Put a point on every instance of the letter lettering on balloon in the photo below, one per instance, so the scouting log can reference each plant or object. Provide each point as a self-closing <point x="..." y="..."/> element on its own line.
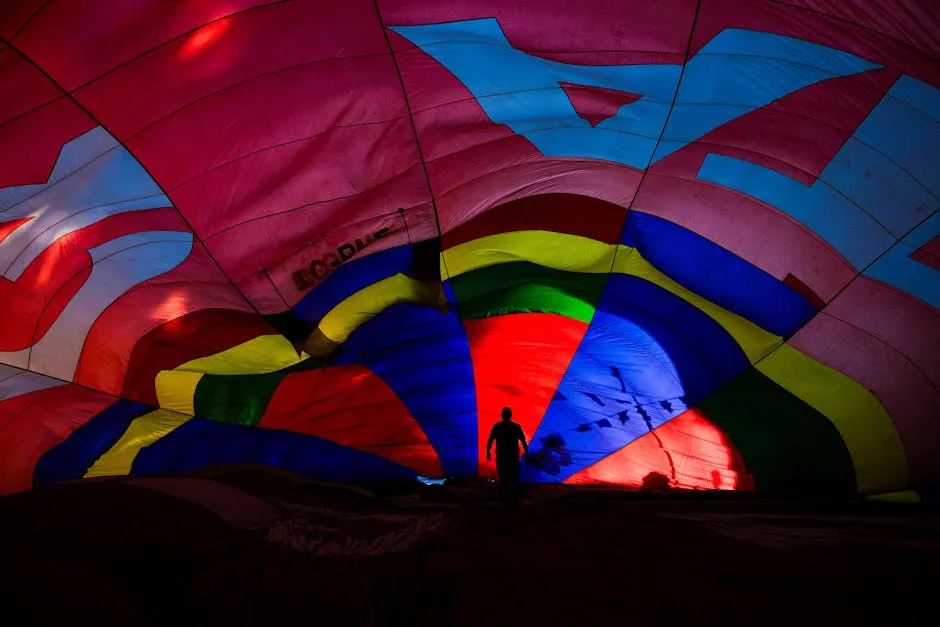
<point x="302" y="279"/>
<point x="318" y="275"/>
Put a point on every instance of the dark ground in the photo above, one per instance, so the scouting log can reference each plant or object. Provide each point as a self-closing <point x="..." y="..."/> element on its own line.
<point x="250" y="547"/>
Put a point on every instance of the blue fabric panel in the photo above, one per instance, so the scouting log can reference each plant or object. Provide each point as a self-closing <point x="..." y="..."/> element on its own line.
<point x="905" y="127"/>
<point x="449" y="294"/>
<point x="881" y="184"/>
<point x="742" y="70"/>
<point x="829" y="214"/>
<point x="887" y="166"/>
<point x="881" y="187"/>
<point x="71" y="458"/>
<point x="897" y="268"/>
<point x="200" y="443"/>
<point x="717" y="274"/>
<point x="647" y="357"/>
<point x="423" y="355"/>
<point x="351" y="277"/>
<point x="523" y="92"/>
<point x="725" y="80"/>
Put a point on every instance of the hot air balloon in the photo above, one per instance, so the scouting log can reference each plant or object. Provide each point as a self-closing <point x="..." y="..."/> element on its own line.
<point x="693" y="244"/>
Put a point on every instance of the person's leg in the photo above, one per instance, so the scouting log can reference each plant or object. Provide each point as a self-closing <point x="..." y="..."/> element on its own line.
<point x="504" y="470"/>
<point x="512" y="476"/>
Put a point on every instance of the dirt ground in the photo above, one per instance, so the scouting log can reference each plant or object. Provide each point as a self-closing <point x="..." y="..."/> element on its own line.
<point x="246" y="547"/>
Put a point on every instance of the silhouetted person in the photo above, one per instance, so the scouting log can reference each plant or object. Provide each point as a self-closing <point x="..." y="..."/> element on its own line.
<point x="507" y="435"/>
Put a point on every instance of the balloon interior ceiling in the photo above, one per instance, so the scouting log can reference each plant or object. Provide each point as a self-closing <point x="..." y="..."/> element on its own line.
<point x="693" y="242"/>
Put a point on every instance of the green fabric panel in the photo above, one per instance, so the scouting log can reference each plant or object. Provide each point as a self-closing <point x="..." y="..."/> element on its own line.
<point x="787" y="446"/>
<point x="527" y="287"/>
<point x="241" y="398"/>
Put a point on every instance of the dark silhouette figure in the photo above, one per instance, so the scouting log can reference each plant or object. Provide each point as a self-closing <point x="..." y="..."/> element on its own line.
<point x="656" y="482"/>
<point x="507" y="435"/>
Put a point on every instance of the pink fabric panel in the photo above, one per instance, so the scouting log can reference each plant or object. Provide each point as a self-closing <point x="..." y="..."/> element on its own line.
<point x="895" y="317"/>
<point x="912" y="401"/>
<point x="193" y="285"/>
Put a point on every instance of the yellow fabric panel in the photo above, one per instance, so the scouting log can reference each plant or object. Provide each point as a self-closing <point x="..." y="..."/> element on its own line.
<point x="265" y="353"/>
<point x="176" y="390"/>
<point x="753" y="340"/>
<point x="343" y="319"/>
<point x="580" y="254"/>
<point x="545" y="248"/>
<point x="871" y="437"/>
<point x="143" y="431"/>
<point x="907" y="496"/>
<point x="319" y="345"/>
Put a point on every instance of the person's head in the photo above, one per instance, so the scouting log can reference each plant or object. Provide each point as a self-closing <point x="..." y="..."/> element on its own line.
<point x="507" y="414"/>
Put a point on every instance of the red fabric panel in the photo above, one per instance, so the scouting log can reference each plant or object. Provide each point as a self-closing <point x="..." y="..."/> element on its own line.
<point x="239" y="109"/>
<point x="352" y="406"/>
<point x="518" y="361"/>
<point x="596" y="104"/>
<point x="30" y="144"/>
<point x="320" y="169"/>
<point x="292" y="217"/>
<point x="791" y="281"/>
<point x="129" y="29"/>
<point x="34" y="302"/>
<point x="912" y="401"/>
<point x="797" y="135"/>
<point x="31" y="424"/>
<point x="560" y="213"/>
<point x="564" y="32"/>
<point x="190" y="336"/>
<point x="255" y="43"/>
<point x="688" y="452"/>
<point x="8" y="227"/>
<point x="273" y="289"/>
<point x="193" y="285"/>
<point x="273" y="110"/>
<point x="512" y="176"/>
<point x="776" y="17"/>
<point x="914" y="22"/>
<point x="13" y="15"/>
<point x="23" y="86"/>
<point x="750" y="229"/>
<point x="929" y="253"/>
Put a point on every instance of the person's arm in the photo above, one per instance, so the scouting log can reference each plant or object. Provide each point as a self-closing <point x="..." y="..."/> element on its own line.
<point x="525" y="445"/>
<point x="489" y="442"/>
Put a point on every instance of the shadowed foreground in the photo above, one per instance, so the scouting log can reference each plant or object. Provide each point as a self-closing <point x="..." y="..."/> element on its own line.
<point x="256" y="547"/>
